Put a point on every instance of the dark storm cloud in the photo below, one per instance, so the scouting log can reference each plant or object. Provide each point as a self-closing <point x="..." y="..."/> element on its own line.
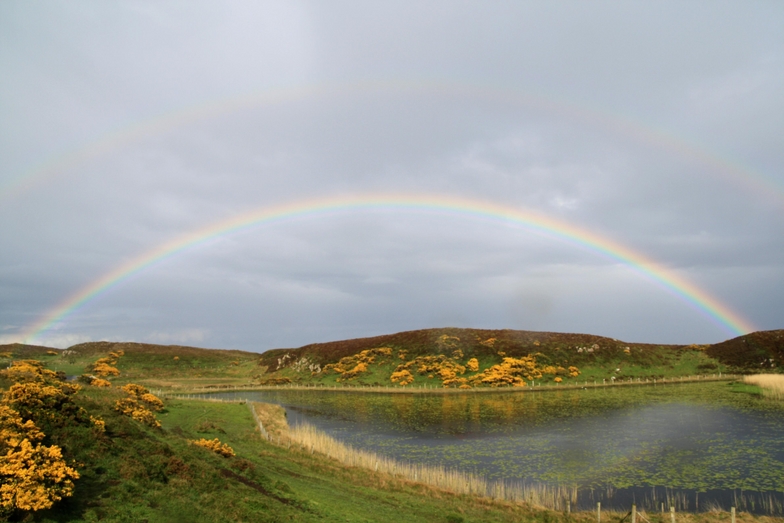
<point x="655" y="125"/>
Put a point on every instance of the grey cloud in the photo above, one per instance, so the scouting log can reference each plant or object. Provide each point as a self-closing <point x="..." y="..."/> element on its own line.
<point x="653" y="125"/>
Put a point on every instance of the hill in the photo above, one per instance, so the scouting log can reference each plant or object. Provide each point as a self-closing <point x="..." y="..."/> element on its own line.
<point x="159" y="366"/>
<point x="501" y="357"/>
<point x="761" y="351"/>
<point x="431" y="357"/>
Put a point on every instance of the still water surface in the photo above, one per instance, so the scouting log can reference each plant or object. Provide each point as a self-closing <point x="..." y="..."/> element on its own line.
<point x="690" y="438"/>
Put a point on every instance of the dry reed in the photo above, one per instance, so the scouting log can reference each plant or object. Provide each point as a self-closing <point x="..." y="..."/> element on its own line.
<point x="772" y="385"/>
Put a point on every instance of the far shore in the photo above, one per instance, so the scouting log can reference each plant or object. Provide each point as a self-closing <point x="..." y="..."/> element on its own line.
<point x="376" y="389"/>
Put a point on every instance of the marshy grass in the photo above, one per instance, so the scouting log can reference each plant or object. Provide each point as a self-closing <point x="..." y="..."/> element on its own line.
<point x="312" y="440"/>
<point x="772" y="385"/>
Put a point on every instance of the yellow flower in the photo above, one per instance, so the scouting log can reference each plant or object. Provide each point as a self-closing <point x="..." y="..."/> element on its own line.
<point x="216" y="446"/>
<point x="34" y="476"/>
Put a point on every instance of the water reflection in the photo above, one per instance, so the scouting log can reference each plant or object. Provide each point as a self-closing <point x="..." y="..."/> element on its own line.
<point x="692" y="437"/>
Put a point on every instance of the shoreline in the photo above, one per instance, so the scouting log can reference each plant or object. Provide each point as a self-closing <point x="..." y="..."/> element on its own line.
<point x="378" y="389"/>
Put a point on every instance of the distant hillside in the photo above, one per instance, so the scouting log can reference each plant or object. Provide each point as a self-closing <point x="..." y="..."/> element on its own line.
<point x="468" y="358"/>
<point x="432" y="357"/>
<point x="21" y="350"/>
<point x="473" y="343"/>
<point x="160" y="366"/>
<point x="758" y="351"/>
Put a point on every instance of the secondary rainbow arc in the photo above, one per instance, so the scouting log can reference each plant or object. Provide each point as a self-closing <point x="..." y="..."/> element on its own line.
<point x="699" y="299"/>
<point x="763" y="185"/>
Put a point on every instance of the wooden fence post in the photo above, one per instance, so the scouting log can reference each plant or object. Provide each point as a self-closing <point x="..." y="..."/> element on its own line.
<point x="599" y="512"/>
<point x="732" y="513"/>
<point x="634" y="513"/>
<point x="672" y="514"/>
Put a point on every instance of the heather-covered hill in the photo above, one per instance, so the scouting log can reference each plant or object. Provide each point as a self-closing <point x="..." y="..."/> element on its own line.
<point x="468" y="358"/>
<point x="21" y="350"/>
<point x="473" y="343"/>
<point x="761" y="351"/>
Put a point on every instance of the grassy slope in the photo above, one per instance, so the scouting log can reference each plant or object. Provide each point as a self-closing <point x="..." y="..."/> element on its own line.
<point x="153" y="365"/>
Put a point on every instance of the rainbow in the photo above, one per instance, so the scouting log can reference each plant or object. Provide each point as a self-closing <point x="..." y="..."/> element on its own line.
<point x="666" y="278"/>
<point x="765" y="187"/>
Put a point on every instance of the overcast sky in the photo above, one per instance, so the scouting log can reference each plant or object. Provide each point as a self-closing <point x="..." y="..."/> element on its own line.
<point x="126" y="125"/>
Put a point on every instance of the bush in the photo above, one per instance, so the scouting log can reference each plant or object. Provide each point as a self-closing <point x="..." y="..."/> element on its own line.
<point x="216" y="446"/>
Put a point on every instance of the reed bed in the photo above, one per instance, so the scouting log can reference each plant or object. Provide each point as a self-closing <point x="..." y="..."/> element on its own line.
<point x="772" y="385"/>
<point x="313" y="440"/>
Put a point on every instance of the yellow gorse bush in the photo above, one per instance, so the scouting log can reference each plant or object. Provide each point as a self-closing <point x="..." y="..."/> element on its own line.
<point x="39" y="393"/>
<point x="33" y="476"/>
<point x="403" y="377"/>
<point x="132" y="408"/>
<point x="104" y="370"/>
<point x="139" y="405"/>
<point x="517" y="371"/>
<point x="511" y="371"/>
<point x="24" y="371"/>
<point x="100" y="425"/>
<point x="44" y="399"/>
<point x="104" y="367"/>
<point x="350" y="367"/>
<point x="216" y="446"/>
<point x="442" y="366"/>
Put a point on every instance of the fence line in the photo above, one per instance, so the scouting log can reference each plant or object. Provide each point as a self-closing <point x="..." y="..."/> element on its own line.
<point x="252" y="407"/>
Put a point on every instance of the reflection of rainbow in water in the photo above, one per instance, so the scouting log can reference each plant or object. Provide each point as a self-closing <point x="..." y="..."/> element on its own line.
<point x="763" y="186"/>
<point x="667" y="279"/>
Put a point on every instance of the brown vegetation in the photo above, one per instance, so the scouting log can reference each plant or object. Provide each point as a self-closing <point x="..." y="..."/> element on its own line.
<point x="772" y="384"/>
<point x="757" y="351"/>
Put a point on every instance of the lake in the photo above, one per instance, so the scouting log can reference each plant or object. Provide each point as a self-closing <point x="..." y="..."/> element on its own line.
<point x="697" y="446"/>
